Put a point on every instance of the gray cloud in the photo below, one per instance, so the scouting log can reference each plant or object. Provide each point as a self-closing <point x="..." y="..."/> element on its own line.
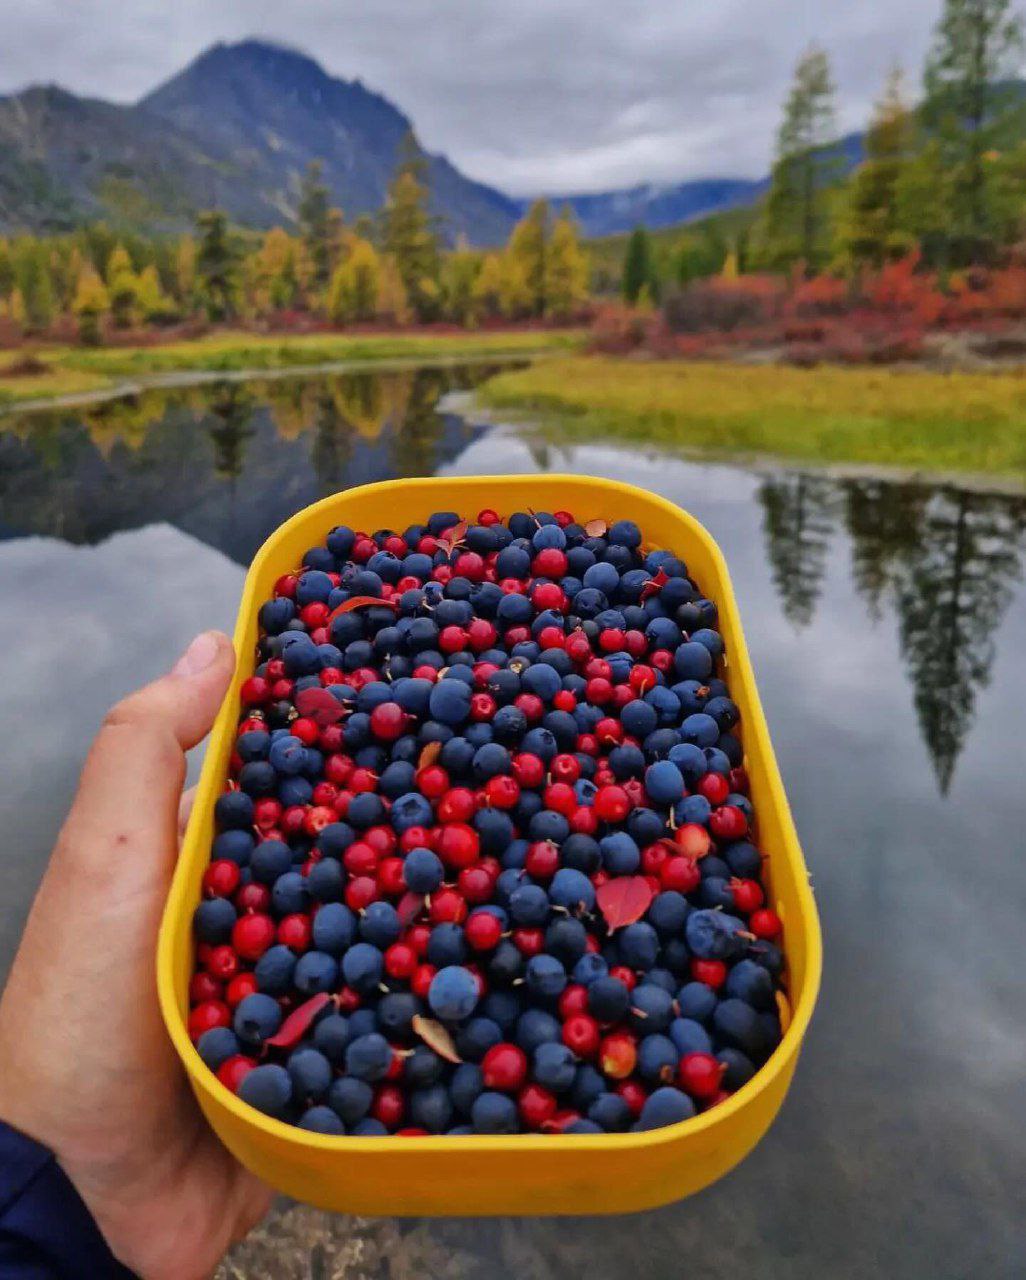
<point x="533" y="95"/>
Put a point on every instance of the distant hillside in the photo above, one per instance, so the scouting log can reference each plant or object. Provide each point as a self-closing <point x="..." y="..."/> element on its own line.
<point x="608" y="212"/>
<point x="235" y="129"/>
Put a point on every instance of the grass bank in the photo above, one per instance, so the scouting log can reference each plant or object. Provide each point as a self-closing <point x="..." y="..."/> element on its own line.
<point x="957" y="422"/>
<point x="68" y="370"/>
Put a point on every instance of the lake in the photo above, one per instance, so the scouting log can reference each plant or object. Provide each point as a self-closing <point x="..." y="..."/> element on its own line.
<point x="887" y="625"/>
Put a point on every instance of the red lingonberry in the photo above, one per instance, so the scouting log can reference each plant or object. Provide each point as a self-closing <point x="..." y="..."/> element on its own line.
<point x="475" y="884"/>
<point x="204" y="986"/>
<point x="564" y="701"/>
<point x="536" y="1105"/>
<point x="573" y="1000"/>
<point x="627" y="976"/>
<point x="389" y="1105"/>
<point x="504" y="1067"/>
<point x="765" y="923"/>
<point x="294" y="931"/>
<point x="483" y="931"/>
<point x="458" y="805"/>
<point x="360" y="892"/>
<point x="502" y="791"/>
<point x="400" y="960"/>
<point x="681" y="874"/>
<point x="747" y="894"/>
<point x="482" y="707"/>
<point x="390" y="877"/>
<point x="206" y="1016"/>
<point x="254" y="691"/>
<point x="633" y="1093"/>
<point x="241" y="986"/>
<point x="481" y="634"/>
<point x="452" y="639"/>
<point x="529" y="942"/>
<point x="728" y="823"/>
<point x="458" y="845"/>
<point x="583" y="821"/>
<point x="699" y="1074"/>
<point x="421" y="980"/>
<point x="561" y="797"/>
<point x="252" y="935"/>
<point x="221" y="878"/>
<point x="581" y="1035"/>
<point x="611" y="803"/>
<point x="712" y="972"/>
<point x="714" y="787"/>
<point x="542" y="860"/>
<point x="550" y="562"/>
<point x="488" y="517"/>
<point x="447" y="907"/>
<point x="388" y="721"/>
<point x="618" y="1054"/>
<point x="234" y="1070"/>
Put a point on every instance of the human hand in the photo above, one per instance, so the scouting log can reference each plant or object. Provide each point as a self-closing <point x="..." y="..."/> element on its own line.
<point x="86" y="1066"/>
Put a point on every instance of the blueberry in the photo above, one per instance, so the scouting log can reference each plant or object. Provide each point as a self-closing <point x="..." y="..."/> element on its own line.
<point x="573" y="890"/>
<point x="503" y="1007"/>
<point x="529" y="905"/>
<point x="668" y="912"/>
<point x="310" y="1071"/>
<point x="423" y="1067"/>
<point x="466" y="1086"/>
<point x="610" y="1112"/>
<point x="567" y="939"/>
<point x="581" y="853"/>
<point x="431" y="1108"/>
<point x="545" y="977"/>
<point x="494" y="1113"/>
<point x="737" y="1024"/>
<point x="553" y="1066"/>
<point x="657" y="1058"/>
<point x="362" y="1022"/>
<point x="449" y="702"/>
<point x="290" y="894"/>
<point x="422" y="871"/>
<point x="334" y="927"/>
<point x="700" y="729"/>
<point x="743" y="860"/>
<point x="257" y="1018"/>
<point x="362" y="967"/>
<point x="217" y="1045"/>
<point x="583" y="1125"/>
<point x="368" y="1057"/>
<point x="315" y="972"/>
<point x="664" y="783"/>
<point x="452" y="994"/>
<point x="476" y="1037"/>
<point x="692" y="661"/>
<point x="267" y="1087"/>
<point x="697" y="1001"/>
<point x="380" y="925"/>
<point x="625" y="533"/>
<point x="536" y="1027"/>
<point x="651" y="1008"/>
<point x="589" y="969"/>
<point x="395" y="1014"/>
<point x="409" y="810"/>
<point x="713" y="935"/>
<point x="690" y="1036"/>
<point x="212" y="921"/>
<point x="274" y="970"/>
<point x="234" y="846"/>
<point x="321" y="1120"/>
<point x="750" y="982"/>
<point x="665" y="1106"/>
<point x="620" y="854"/>
<point x="270" y="859"/>
<point x="639" y="945"/>
<point x="608" y="999"/>
<point x="233" y="810"/>
<point x="740" y="1068"/>
<point x="369" y="1128"/>
<point x="330" y="1036"/>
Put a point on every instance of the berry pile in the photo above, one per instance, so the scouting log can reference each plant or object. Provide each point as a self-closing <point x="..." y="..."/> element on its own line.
<point x="483" y="864"/>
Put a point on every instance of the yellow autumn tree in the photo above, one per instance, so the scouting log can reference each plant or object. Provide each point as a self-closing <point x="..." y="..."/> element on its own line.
<point x="459" y="276"/>
<point x="566" y="270"/>
<point x="90" y="305"/>
<point x="487" y="291"/>
<point x="276" y="270"/>
<point x="528" y="245"/>
<point x="516" y="298"/>
<point x="16" y="309"/>
<point x="356" y="285"/>
<point x="122" y="287"/>
<point x="151" y="299"/>
<point x="393" y="302"/>
<point x="185" y="272"/>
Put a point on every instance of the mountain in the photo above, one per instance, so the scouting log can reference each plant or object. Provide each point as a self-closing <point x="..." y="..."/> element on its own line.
<point x="235" y="129"/>
<point x="604" y="213"/>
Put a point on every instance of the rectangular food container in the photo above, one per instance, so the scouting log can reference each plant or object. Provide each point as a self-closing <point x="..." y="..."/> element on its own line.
<point x="522" y="1174"/>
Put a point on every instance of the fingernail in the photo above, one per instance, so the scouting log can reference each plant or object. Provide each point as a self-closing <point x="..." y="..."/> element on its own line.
<point x="199" y="655"/>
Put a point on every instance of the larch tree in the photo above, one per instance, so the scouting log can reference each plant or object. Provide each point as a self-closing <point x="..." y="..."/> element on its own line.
<point x="970" y="105"/>
<point x="528" y="247"/>
<point x="638" y="268"/>
<point x="795" y="221"/>
<point x="409" y="234"/>
<point x="566" y="270"/>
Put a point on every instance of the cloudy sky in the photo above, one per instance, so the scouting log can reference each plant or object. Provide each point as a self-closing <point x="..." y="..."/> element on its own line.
<point x="530" y="95"/>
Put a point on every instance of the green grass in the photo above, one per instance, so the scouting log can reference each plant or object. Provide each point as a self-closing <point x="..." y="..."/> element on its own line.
<point x="73" y="370"/>
<point x="959" y="422"/>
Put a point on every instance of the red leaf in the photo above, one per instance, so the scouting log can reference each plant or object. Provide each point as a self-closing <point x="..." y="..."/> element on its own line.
<point x="360" y="602"/>
<point x="654" y="585"/>
<point x="624" y="900"/>
<point x="319" y="706"/>
<point x="409" y="908"/>
<point x="436" y="1037"/>
<point x="596" y="528"/>
<point x="299" y="1022"/>
<point x="452" y="536"/>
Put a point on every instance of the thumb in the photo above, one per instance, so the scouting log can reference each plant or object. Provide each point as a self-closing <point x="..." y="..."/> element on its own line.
<point x="132" y="779"/>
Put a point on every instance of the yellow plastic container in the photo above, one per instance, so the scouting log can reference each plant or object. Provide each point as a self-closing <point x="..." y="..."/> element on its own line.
<point x="582" y="1174"/>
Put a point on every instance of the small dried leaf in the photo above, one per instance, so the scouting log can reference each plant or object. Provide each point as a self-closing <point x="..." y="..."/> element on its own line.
<point x="360" y="602"/>
<point x="451" y="537"/>
<point x="624" y="900"/>
<point x="409" y="908"/>
<point x="319" y="706"/>
<point x="299" y="1022"/>
<point x="654" y="585"/>
<point x="596" y="528"/>
<point x="436" y="1037"/>
<point x="783" y="1011"/>
<point x="429" y="755"/>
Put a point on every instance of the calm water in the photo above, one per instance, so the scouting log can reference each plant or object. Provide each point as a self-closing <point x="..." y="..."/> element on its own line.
<point x="887" y="623"/>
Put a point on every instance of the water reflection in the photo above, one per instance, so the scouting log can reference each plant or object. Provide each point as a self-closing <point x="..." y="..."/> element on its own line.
<point x="944" y="559"/>
<point x="226" y="462"/>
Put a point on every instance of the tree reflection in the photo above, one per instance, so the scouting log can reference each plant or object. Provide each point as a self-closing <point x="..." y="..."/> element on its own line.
<point x="230" y="407"/>
<point x="797" y="522"/>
